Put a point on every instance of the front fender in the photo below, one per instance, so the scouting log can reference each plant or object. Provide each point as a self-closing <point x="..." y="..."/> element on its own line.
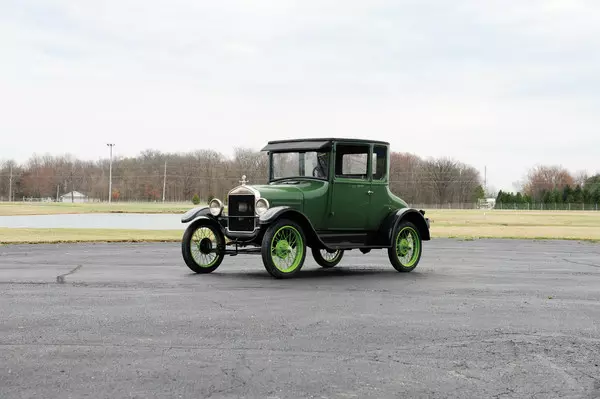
<point x="417" y="217"/>
<point x="194" y="213"/>
<point x="272" y="213"/>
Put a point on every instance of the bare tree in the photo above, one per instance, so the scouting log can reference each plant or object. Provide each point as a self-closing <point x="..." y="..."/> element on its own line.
<point x="442" y="173"/>
<point x="542" y="179"/>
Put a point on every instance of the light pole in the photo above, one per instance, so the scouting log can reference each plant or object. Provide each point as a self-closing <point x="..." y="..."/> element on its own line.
<point x="164" y="182"/>
<point x="110" y="174"/>
<point x="10" y="184"/>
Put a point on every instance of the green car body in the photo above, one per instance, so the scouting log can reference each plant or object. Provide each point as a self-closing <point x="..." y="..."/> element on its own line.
<point x="329" y="195"/>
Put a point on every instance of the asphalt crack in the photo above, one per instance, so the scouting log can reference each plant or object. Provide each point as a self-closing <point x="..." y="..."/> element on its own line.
<point x="581" y="263"/>
<point x="61" y="278"/>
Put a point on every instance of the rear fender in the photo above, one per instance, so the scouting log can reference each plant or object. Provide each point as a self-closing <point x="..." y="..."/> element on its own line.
<point x="278" y="212"/>
<point x="416" y="217"/>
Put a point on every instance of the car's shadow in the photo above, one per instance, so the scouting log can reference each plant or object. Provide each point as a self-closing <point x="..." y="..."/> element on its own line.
<point x="315" y="273"/>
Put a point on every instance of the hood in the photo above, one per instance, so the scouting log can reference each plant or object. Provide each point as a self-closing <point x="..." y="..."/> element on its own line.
<point x="281" y="194"/>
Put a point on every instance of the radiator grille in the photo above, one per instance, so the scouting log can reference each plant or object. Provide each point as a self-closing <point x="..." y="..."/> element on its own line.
<point x="241" y="212"/>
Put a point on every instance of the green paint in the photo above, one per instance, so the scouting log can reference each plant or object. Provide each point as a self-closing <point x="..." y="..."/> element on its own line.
<point x="355" y="195"/>
<point x="307" y="196"/>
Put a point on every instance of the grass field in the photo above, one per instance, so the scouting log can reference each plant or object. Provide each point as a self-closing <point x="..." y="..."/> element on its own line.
<point x="464" y="224"/>
<point x="573" y="225"/>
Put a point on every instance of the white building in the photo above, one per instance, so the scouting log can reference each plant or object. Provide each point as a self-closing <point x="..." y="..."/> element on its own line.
<point x="75" y="196"/>
<point x="487" y="203"/>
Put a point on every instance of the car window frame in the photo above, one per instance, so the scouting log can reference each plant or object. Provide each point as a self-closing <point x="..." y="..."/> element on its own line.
<point x="334" y="163"/>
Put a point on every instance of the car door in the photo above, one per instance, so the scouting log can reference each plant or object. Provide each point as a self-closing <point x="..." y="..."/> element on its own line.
<point x="379" y="206"/>
<point x="350" y="189"/>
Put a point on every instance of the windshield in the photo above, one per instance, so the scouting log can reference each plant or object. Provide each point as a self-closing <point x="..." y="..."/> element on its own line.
<point x="300" y="164"/>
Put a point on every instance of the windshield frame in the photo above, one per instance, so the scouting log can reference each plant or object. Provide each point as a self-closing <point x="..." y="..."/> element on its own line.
<point x="301" y="159"/>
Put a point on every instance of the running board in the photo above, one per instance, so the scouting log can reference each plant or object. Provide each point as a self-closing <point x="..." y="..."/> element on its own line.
<point x="348" y="241"/>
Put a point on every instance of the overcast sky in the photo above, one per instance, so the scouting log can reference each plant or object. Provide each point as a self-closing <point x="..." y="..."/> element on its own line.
<point x="486" y="82"/>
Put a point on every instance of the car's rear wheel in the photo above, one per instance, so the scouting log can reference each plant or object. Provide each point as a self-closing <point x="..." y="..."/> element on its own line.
<point x="327" y="258"/>
<point x="405" y="252"/>
<point x="283" y="249"/>
<point x="203" y="246"/>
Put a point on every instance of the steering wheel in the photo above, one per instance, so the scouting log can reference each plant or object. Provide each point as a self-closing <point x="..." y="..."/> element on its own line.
<point x="316" y="172"/>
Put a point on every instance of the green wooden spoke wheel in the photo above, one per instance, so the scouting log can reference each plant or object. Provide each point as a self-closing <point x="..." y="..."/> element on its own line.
<point x="283" y="249"/>
<point x="405" y="252"/>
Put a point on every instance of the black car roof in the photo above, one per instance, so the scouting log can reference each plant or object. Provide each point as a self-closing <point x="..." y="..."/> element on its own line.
<point x="313" y="143"/>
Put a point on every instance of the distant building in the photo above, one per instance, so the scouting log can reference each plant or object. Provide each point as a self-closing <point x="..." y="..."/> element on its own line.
<point x="487" y="203"/>
<point x="75" y="196"/>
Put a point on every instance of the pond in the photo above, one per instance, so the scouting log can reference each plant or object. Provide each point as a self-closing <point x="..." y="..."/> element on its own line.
<point x="96" y="221"/>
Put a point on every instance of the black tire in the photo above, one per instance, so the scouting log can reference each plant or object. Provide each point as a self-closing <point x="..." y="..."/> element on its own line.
<point x="400" y="244"/>
<point x="275" y="245"/>
<point x="327" y="263"/>
<point x="194" y="251"/>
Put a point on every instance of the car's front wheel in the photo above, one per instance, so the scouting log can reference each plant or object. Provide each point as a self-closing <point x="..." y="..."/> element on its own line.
<point x="405" y="252"/>
<point x="327" y="258"/>
<point x="283" y="249"/>
<point x="203" y="246"/>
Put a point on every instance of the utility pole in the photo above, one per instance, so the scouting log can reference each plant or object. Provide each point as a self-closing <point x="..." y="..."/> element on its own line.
<point x="72" y="187"/>
<point x="110" y="174"/>
<point x="165" y="182"/>
<point x="485" y="179"/>
<point x="10" y="185"/>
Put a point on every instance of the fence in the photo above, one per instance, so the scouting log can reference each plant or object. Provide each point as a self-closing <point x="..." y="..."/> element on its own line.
<point x="540" y="206"/>
<point x="448" y="206"/>
<point x="512" y="206"/>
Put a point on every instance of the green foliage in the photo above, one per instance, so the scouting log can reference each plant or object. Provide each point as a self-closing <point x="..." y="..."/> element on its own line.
<point x="556" y="197"/>
<point x="479" y="193"/>
<point x="595" y="195"/>
<point x="578" y="194"/>
<point x="588" y="194"/>
<point x="593" y="180"/>
<point x="592" y="185"/>
<point x="196" y="199"/>
<point x="567" y="194"/>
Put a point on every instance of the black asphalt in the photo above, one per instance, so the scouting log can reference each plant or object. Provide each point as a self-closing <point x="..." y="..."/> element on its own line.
<point x="476" y="319"/>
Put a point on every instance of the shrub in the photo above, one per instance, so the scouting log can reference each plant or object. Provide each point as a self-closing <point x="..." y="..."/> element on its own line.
<point x="195" y="199"/>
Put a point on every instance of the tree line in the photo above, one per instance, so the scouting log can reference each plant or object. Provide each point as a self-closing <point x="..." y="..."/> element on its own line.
<point x="553" y="185"/>
<point x="205" y="174"/>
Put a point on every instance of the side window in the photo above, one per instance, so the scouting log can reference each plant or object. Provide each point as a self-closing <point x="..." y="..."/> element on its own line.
<point x="351" y="161"/>
<point x="379" y="162"/>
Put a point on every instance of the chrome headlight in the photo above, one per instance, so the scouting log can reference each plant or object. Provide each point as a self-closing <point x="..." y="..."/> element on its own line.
<point x="215" y="206"/>
<point x="262" y="205"/>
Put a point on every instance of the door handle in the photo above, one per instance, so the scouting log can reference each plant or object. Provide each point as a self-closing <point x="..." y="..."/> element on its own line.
<point x="369" y="192"/>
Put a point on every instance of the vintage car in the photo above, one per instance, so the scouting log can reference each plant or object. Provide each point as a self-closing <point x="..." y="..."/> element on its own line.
<point x="329" y="195"/>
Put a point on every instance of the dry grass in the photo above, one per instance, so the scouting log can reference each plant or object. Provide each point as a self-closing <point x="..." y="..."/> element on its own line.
<point x="56" y="208"/>
<point x="515" y="224"/>
<point x="39" y="236"/>
<point x="467" y="224"/>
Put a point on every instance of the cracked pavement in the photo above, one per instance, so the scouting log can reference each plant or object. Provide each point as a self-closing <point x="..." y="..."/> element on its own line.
<point x="476" y="319"/>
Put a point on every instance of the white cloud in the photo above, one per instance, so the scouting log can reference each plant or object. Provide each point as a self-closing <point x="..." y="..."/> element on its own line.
<point x="485" y="82"/>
